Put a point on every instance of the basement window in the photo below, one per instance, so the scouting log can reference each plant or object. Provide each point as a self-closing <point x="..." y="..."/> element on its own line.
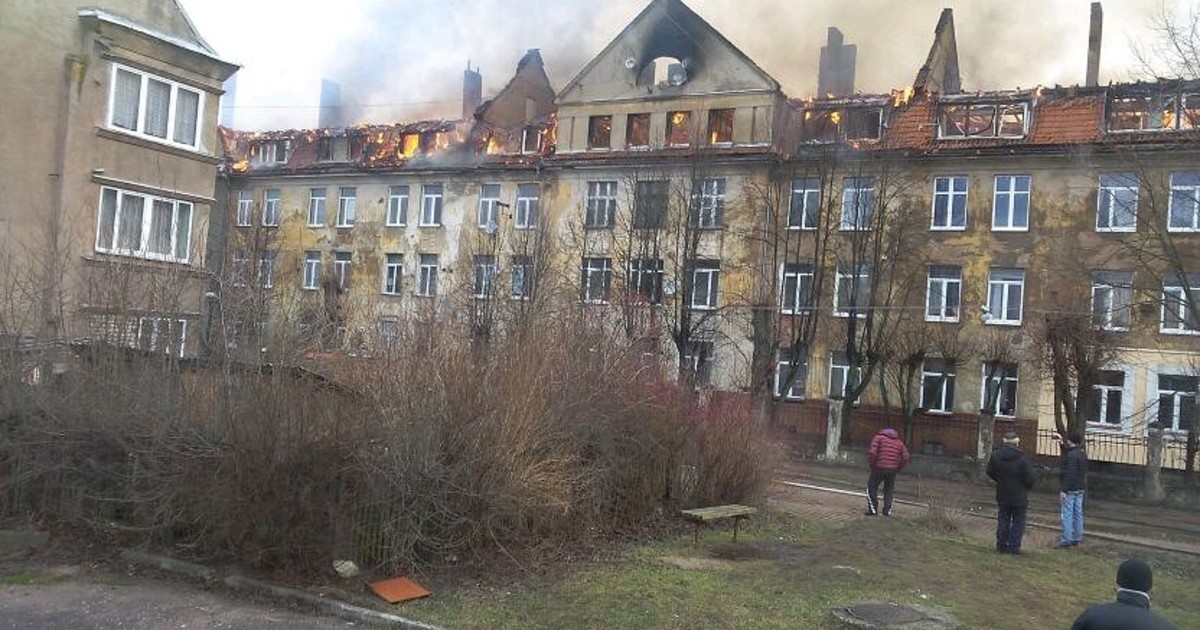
<point x="637" y="131"/>
<point x="720" y="126"/>
<point x="600" y="132"/>
<point x="679" y="129"/>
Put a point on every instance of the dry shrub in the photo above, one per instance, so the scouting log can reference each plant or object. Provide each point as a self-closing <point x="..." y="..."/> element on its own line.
<point x="946" y="511"/>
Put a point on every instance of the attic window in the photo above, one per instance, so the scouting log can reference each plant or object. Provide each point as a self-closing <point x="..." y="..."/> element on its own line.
<point x="720" y="126"/>
<point x="338" y="149"/>
<point x="863" y="124"/>
<point x="531" y="139"/>
<point x="637" y="131"/>
<point x="1159" y="112"/>
<point x="982" y="120"/>
<point x="269" y="152"/>
<point x="820" y="126"/>
<point x="679" y="129"/>
<point x="409" y="143"/>
<point x="600" y="132"/>
<point x="664" y="72"/>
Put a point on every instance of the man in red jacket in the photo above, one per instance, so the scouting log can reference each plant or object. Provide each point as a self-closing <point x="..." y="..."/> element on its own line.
<point x="887" y="456"/>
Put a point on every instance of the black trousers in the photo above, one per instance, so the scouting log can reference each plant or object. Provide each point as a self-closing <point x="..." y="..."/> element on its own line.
<point x="888" y="479"/>
<point x="1010" y="528"/>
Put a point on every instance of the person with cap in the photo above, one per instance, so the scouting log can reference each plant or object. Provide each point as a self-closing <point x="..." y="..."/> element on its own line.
<point x="886" y="456"/>
<point x="1131" y="611"/>
<point x="1009" y="467"/>
<point x="1072" y="479"/>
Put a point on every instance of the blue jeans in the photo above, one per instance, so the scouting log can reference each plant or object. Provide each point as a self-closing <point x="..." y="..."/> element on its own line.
<point x="1072" y="517"/>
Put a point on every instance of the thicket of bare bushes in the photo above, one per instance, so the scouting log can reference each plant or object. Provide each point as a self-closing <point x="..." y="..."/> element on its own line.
<point x="439" y="447"/>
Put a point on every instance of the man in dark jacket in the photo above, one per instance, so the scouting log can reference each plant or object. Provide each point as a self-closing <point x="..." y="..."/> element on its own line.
<point x="1072" y="479"/>
<point x="1013" y="474"/>
<point x="886" y="456"/>
<point x="1131" y="611"/>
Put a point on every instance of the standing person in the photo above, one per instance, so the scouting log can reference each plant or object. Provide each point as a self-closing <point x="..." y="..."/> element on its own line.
<point x="1132" y="608"/>
<point x="887" y="456"/>
<point x="1010" y="469"/>
<point x="1072" y="477"/>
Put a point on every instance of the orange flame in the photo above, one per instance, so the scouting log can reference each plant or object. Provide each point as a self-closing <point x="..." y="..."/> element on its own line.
<point x="902" y="97"/>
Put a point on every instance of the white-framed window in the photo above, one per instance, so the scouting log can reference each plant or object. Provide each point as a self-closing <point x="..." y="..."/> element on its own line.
<point x="706" y="275"/>
<point x="1006" y="297"/>
<point x="943" y="300"/>
<point x="697" y="360"/>
<point x="601" y="205"/>
<point x="316" y="207"/>
<point x="393" y="274"/>
<point x="154" y="107"/>
<point x="238" y="276"/>
<point x="522" y="278"/>
<point x="852" y="291"/>
<point x="245" y="208"/>
<point x="1184" y="211"/>
<point x="796" y="291"/>
<point x="646" y="280"/>
<point x="397" y="209"/>
<point x="431" y="205"/>
<point x="341" y="269"/>
<point x="347" y="206"/>
<point x="167" y="335"/>
<point x="1112" y="296"/>
<point x="1176" y="403"/>
<point x="266" y="270"/>
<point x="1010" y="205"/>
<point x="1179" y="313"/>
<point x="389" y="331"/>
<point x="949" y="203"/>
<point x="528" y="201"/>
<point x="488" y="214"/>
<point x="999" y="387"/>
<point x="269" y="152"/>
<point x="143" y="226"/>
<point x="595" y="280"/>
<point x="937" y="385"/>
<point x="839" y="376"/>
<point x="428" y="280"/>
<point x="708" y="203"/>
<point x="270" y="217"/>
<point x="958" y="121"/>
<point x="1107" y="407"/>
<point x="1117" y="202"/>
<point x="805" y="208"/>
<point x="791" y="364"/>
<point x="485" y="275"/>
<point x="312" y="270"/>
<point x="858" y="203"/>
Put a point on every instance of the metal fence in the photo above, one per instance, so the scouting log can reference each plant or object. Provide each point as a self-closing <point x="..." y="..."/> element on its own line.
<point x="1117" y="448"/>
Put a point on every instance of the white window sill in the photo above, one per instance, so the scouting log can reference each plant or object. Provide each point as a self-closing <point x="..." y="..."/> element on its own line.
<point x="395" y="225"/>
<point x="155" y="139"/>
<point x="429" y="225"/>
<point x="942" y="320"/>
<point x="802" y="311"/>
<point x="1182" y="230"/>
<point x="945" y="228"/>
<point x="1010" y="229"/>
<point x="1002" y="322"/>
<point x="1183" y="332"/>
<point x="801" y="228"/>
<point x="1119" y="230"/>
<point x="1107" y="429"/>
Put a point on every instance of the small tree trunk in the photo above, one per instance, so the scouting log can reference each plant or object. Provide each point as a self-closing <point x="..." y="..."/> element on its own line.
<point x="984" y="440"/>
<point x="1153" y="490"/>
<point x="833" y="434"/>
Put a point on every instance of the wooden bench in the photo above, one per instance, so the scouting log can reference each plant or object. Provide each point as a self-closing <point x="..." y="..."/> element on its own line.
<point x="703" y="516"/>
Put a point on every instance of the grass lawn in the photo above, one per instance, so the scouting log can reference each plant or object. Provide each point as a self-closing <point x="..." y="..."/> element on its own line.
<point x="785" y="572"/>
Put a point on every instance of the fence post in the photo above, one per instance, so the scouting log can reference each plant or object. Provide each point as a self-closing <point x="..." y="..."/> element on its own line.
<point x="984" y="437"/>
<point x="833" y="431"/>
<point x="1153" y="491"/>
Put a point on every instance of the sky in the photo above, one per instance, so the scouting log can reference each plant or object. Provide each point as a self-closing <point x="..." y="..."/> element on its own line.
<point x="402" y="60"/>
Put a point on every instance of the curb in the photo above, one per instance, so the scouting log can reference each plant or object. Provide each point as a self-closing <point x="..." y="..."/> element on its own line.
<point x="340" y="609"/>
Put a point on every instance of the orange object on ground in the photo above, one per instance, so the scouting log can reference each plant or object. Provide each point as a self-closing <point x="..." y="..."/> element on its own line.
<point x="398" y="590"/>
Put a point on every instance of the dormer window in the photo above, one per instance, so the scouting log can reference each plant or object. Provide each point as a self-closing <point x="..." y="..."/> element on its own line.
<point x="982" y="120"/>
<point x="1154" y="112"/>
<point x="269" y="151"/>
<point x="846" y="123"/>
<point x="531" y="139"/>
<point x="338" y="149"/>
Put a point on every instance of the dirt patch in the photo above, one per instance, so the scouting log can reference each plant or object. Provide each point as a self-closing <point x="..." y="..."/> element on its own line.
<point x="699" y="564"/>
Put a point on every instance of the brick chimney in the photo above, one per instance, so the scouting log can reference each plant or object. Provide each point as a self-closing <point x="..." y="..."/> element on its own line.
<point x="1093" y="59"/>
<point x="472" y="92"/>
<point x="835" y="75"/>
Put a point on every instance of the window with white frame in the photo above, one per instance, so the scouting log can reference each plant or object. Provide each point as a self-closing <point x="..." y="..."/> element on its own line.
<point x="522" y="278"/>
<point x="245" y="208"/>
<point x="595" y="280"/>
<point x="937" y="385"/>
<point x="270" y="217"/>
<point x="488" y="214"/>
<point x="949" y="203"/>
<point x="528" y="202"/>
<point x="697" y="360"/>
<point x="316" y="207"/>
<point x="708" y="203"/>
<point x="389" y="331"/>
<point x="1184" y="210"/>
<point x="943" y="299"/>
<point x="840" y="381"/>
<point x="158" y="108"/>
<point x="485" y="275"/>
<point x="1106" y="408"/>
<point x="143" y="226"/>
<point x="266" y="270"/>
<point x="1176" y="401"/>
<point x="1116" y="203"/>
<point x="796" y="292"/>
<point x="269" y="152"/>
<point x="706" y="276"/>
<point x="791" y="366"/>
<point x="858" y="201"/>
<point x="312" y="270"/>
<point x="852" y="291"/>
<point x="238" y="277"/>
<point x="428" y="280"/>
<point x="341" y="270"/>
<point x="393" y="274"/>
<point x="601" y="205"/>
<point x="431" y="205"/>
<point x="166" y="335"/>
<point x="805" y="208"/>
<point x="646" y="280"/>
<point x="1179" y="312"/>
<point x="1010" y="206"/>
<point x="1006" y="296"/>
<point x="999" y="389"/>
<point x="347" y="206"/>
<point x="397" y="210"/>
<point x="1112" y="295"/>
